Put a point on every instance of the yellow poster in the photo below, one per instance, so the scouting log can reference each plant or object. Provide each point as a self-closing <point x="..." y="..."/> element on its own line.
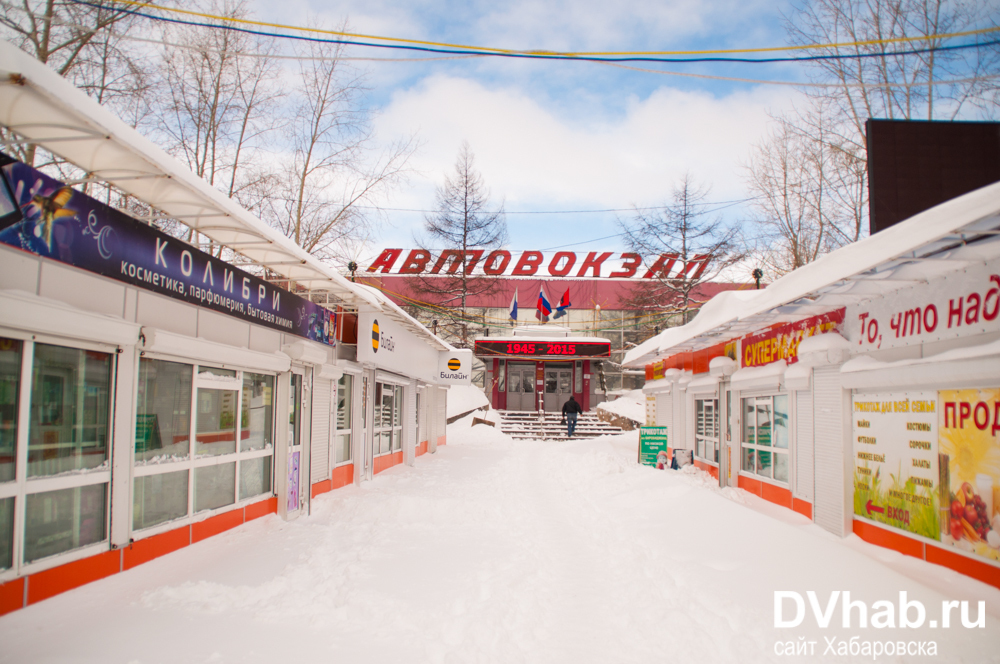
<point x="969" y="461"/>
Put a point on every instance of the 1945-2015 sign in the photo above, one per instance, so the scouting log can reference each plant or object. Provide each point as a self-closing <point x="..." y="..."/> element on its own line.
<point x="43" y="216"/>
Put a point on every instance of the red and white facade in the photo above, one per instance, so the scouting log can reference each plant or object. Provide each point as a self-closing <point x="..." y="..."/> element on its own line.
<point x="539" y="367"/>
<point x="862" y="390"/>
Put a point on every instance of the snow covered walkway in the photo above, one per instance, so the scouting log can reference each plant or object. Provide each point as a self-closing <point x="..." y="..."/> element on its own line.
<point x="498" y="551"/>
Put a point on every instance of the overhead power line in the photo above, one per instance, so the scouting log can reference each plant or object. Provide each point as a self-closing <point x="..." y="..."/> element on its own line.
<point x="653" y="56"/>
<point x="419" y="43"/>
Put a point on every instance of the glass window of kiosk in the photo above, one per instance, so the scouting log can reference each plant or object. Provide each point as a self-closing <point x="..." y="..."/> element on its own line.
<point x="67" y="456"/>
<point x="204" y="440"/>
<point x="765" y="437"/>
<point x="388" y="418"/>
<point x="342" y="433"/>
<point x="706" y="429"/>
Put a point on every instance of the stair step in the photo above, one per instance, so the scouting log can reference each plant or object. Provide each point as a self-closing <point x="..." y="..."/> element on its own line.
<point x="526" y="425"/>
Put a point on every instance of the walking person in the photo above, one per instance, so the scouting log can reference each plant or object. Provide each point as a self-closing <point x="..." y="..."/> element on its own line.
<point x="570" y="410"/>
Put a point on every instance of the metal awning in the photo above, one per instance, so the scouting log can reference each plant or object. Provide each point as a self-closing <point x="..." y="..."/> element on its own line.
<point x="45" y="109"/>
<point x="946" y="238"/>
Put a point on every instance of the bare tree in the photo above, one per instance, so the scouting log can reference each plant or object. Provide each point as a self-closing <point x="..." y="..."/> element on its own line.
<point x="882" y="84"/>
<point x="809" y="187"/>
<point x="219" y="103"/>
<point x="81" y="42"/>
<point x="687" y="246"/>
<point x="337" y="168"/>
<point x="468" y="226"/>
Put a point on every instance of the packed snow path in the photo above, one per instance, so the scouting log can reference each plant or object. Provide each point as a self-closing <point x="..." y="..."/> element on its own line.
<point x="498" y="551"/>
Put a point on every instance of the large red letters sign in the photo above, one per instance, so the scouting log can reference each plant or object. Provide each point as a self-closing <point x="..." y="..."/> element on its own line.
<point x="564" y="264"/>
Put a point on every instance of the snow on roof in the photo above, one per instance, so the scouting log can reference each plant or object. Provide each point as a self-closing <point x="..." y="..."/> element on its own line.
<point x="408" y="321"/>
<point x="940" y="240"/>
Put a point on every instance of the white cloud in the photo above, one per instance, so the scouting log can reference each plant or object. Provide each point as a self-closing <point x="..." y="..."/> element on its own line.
<point x="532" y="156"/>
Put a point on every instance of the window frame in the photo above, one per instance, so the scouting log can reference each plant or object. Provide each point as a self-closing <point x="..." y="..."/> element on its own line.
<point x="703" y="437"/>
<point x="394" y="429"/>
<point x="787" y="452"/>
<point x="349" y="430"/>
<point x="193" y="461"/>
<point x="22" y="485"/>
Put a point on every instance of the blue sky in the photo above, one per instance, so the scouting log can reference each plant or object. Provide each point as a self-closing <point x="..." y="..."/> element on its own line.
<point x="565" y="135"/>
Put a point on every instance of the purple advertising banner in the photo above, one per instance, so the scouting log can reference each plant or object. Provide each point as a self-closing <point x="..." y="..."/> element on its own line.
<point x="49" y="219"/>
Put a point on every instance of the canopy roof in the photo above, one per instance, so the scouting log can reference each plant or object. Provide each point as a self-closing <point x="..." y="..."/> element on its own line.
<point x="946" y="238"/>
<point x="45" y="109"/>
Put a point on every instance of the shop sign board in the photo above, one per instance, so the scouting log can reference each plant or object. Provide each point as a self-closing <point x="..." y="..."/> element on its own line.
<point x="964" y="303"/>
<point x="782" y="342"/>
<point x="653" y="447"/>
<point x="552" y="350"/>
<point x="45" y="217"/>
<point x="969" y="450"/>
<point x="896" y="478"/>
<point x="559" y="264"/>
<point x="387" y="345"/>
<point x="455" y="367"/>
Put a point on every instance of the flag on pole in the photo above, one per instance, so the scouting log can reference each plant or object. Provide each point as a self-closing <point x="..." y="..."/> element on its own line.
<point x="544" y="308"/>
<point x="563" y="305"/>
<point x="513" y="306"/>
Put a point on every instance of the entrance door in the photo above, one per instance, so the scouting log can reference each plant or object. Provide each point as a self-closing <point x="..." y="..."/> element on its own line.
<point x="558" y="387"/>
<point x="368" y="425"/>
<point x="521" y="387"/>
<point x="294" y="495"/>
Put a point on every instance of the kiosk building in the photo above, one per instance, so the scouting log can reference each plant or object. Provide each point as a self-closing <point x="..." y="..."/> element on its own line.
<point x="152" y="394"/>
<point x="862" y="390"/>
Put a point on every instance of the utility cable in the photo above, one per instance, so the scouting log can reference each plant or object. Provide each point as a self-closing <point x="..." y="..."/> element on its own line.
<point x="534" y="52"/>
<point x="541" y="55"/>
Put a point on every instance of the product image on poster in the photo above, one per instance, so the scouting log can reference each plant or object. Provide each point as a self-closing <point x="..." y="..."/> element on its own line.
<point x="653" y="446"/>
<point x="895" y="460"/>
<point x="969" y="448"/>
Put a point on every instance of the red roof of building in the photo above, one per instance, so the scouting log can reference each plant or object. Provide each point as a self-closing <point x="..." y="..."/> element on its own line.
<point x="610" y="294"/>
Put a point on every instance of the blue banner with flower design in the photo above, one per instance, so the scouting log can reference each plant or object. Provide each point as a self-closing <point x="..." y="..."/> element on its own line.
<point x="43" y="216"/>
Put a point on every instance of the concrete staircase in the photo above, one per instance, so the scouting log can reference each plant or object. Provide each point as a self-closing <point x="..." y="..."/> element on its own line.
<point x="526" y="425"/>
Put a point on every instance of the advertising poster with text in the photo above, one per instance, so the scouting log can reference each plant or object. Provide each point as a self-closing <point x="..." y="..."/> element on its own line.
<point x="653" y="447"/>
<point x="970" y="459"/>
<point x="896" y="461"/>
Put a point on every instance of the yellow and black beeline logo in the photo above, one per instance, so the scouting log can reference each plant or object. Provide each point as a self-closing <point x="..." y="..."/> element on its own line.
<point x="454" y="364"/>
<point x="375" y="336"/>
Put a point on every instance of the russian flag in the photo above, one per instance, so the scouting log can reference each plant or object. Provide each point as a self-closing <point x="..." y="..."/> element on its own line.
<point x="544" y="308"/>
<point x="513" y="306"/>
<point x="563" y="305"/>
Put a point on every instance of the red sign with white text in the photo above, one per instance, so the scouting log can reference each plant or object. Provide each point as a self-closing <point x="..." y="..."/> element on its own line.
<point x="782" y="343"/>
<point x="561" y="264"/>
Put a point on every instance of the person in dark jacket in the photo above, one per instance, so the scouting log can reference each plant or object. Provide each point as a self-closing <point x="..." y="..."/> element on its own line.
<point x="570" y="410"/>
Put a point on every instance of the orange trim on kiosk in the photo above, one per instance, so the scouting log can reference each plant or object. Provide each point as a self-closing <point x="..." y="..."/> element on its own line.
<point x="150" y="548"/>
<point x="219" y="523"/>
<point x="707" y="467"/>
<point x="387" y="461"/>
<point x="52" y="582"/>
<point x="12" y="595"/>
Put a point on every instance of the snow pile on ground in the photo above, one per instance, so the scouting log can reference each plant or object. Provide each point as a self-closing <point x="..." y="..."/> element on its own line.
<point x="464" y="432"/>
<point x="632" y="405"/>
<point x="500" y="550"/>
<point x="464" y="399"/>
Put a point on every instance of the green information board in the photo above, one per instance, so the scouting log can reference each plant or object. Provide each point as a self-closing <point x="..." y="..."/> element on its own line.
<point x="653" y="447"/>
<point x="147" y="433"/>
